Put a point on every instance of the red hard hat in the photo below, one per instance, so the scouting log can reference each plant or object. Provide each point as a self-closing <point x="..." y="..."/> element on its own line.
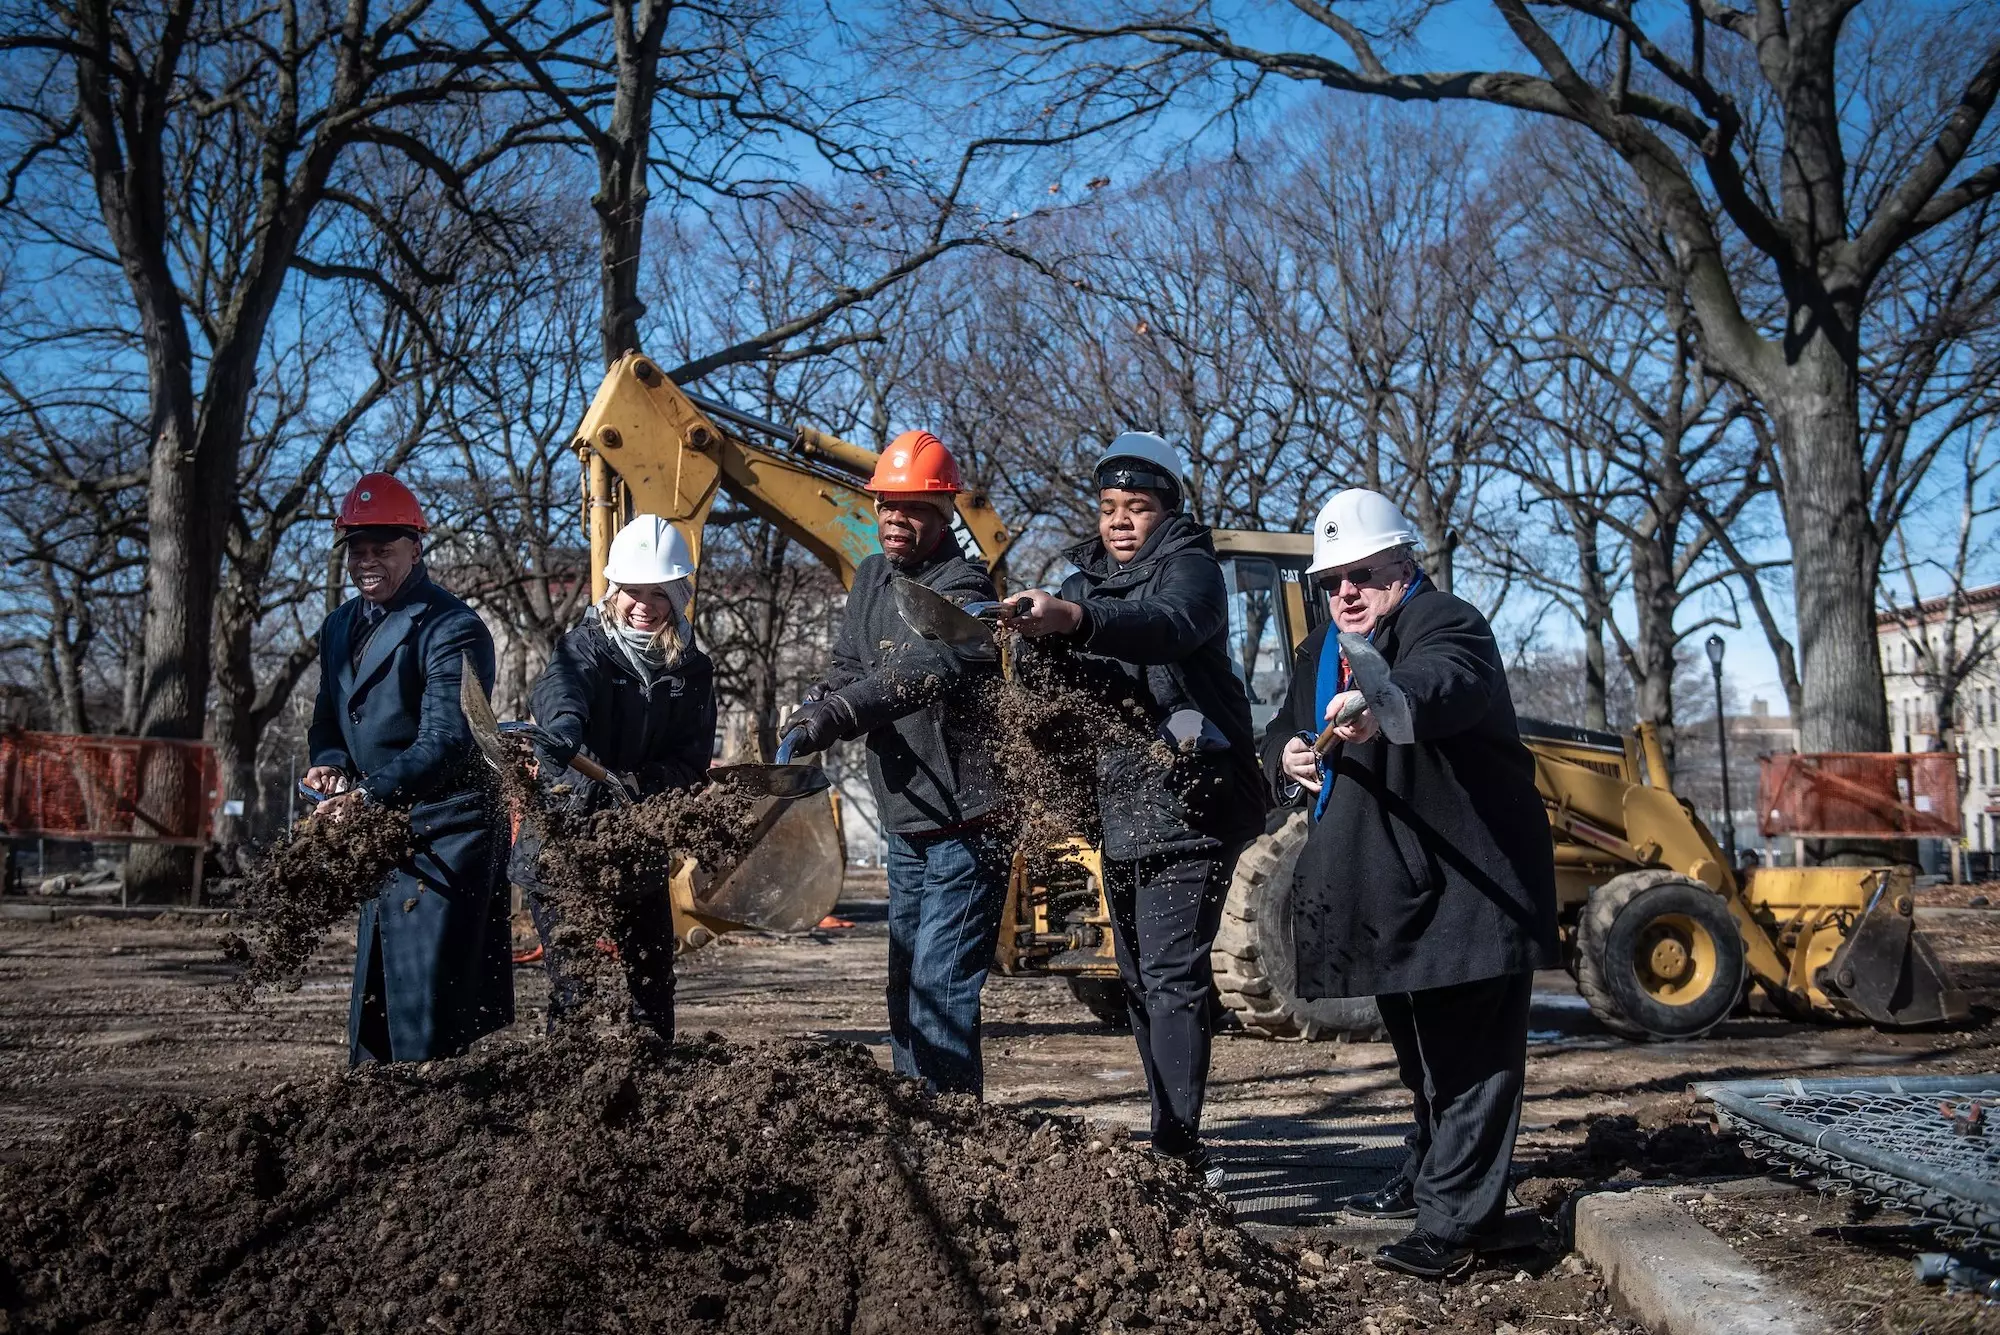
<point x="379" y="501"/>
<point x="915" y="461"/>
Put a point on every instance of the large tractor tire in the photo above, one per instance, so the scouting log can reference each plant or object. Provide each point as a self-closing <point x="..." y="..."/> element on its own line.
<point x="1103" y="998"/>
<point x="1254" y="961"/>
<point x="1659" y="956"/>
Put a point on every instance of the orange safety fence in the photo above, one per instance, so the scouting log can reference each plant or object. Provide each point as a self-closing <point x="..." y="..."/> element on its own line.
<point x="1859" y="794"/>
<point x="108" y="789"/>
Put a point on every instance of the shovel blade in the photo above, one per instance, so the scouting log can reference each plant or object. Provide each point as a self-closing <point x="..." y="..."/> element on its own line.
<point x="1371" y="678"/>
<point x="791" y="876"/>
<point x="936" y="617"/>
<point x="773" y="780"/>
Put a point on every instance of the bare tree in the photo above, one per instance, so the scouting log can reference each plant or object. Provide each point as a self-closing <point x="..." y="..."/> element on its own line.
<point x="1736" y="124"/>
<point x="220" y="142"/>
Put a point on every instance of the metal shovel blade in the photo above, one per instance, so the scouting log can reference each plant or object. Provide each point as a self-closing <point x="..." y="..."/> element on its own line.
<point x="1371" y="678"/>
<point x="936" y="617"/>
<point x="479" y="717"/>
<point x="791" y="876"/>
<point x="784" y="779"/>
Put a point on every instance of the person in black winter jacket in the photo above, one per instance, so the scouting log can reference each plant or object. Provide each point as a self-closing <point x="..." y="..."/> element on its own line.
<point x="1145" y="620"/>
<point x="1427" y="880"/>
<point x="948" y="859"/>
<point x="628" y="689"/>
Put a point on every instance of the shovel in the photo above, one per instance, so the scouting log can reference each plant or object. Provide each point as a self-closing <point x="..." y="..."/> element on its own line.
<point x="1371" y="678"/>
<point x="784" y="779"/>
<point x="936" y="617"/>
<point x="486" y="736"/>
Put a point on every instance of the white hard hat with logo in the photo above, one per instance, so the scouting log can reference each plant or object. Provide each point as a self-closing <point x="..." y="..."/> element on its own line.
<point x="1355" y="524"/>
<point x="649" y="550"/>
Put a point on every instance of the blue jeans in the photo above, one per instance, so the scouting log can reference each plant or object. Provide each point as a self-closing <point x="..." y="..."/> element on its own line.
<point x="945" y="896"/>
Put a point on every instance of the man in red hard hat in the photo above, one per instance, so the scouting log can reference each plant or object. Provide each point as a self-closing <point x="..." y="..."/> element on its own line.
<point x="948" y="865"/>
<point x="432" y="965"/>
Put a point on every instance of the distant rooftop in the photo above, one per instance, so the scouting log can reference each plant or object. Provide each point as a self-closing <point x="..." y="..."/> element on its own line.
<point x="1930" y="609"/>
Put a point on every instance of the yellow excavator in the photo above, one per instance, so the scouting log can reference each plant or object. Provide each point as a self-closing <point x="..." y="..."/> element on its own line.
<point x="1661" y="935"/>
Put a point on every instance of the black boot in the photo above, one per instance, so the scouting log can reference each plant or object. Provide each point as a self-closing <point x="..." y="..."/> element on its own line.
<point x="1391" y="1201"/>
<point x="1427" y="1256"/>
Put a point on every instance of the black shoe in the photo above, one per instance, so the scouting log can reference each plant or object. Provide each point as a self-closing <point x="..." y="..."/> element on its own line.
<point x="1393" y="1201"/>
<point x="1427" y="1256"/>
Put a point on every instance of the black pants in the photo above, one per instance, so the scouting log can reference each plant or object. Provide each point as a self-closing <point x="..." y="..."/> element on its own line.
<point x="1164" y="915"/>
<point x="371" y="1043"/>
<point x="645" y="937"/>
<point x="1462" y="1052"/>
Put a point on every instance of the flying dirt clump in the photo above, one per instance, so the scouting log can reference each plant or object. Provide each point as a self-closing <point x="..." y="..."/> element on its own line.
<point x="600" y="1181"/>
<point x="602" y="870"/>
<point x="313" y="875"/>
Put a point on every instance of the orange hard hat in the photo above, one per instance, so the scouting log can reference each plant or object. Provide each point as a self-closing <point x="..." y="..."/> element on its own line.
<point x="915" y="461"/>
<point x="378" y="500"/>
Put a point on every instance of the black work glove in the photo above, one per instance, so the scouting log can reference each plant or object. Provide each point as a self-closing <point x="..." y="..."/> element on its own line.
<point x="818" y="724"/>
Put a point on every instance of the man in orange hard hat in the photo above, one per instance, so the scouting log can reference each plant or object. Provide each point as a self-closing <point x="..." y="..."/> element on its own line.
<point x="948" y="863"/>
<point x="432" y="965"/>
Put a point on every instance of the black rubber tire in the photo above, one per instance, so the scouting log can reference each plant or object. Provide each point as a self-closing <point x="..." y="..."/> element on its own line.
<point x="1607" y="944"/>
<point x="1103" y="998"/>
<point x="1253" y="959"/>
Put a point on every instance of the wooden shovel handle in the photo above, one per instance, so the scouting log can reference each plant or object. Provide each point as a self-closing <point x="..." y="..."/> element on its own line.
<point x="1348" y="713"/>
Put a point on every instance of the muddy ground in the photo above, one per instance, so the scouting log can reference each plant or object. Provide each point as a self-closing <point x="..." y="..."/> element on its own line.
<point x="97" y="1013"/>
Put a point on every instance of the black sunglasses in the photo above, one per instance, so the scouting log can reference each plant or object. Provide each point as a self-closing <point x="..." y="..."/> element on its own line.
<point x="1358" y="576"/>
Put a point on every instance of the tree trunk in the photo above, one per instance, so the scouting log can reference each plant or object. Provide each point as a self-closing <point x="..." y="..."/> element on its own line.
<point x="1655" y="600"/>
<point x="1835" y="555"/>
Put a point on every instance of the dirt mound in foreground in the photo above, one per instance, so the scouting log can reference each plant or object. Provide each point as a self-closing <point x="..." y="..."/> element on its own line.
<point x="598" y="1182"/>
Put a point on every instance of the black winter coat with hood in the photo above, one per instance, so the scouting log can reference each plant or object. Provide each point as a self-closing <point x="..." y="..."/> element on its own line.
<point x="1431" y="864"/>
<point x="908" y="695"/>
<point x="591" y="699"/>
<point x="1155" y="632"/>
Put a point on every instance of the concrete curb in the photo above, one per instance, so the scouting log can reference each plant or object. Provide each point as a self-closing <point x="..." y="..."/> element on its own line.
<point x="16" y="912"/>
<point x="1675" y="1275"/>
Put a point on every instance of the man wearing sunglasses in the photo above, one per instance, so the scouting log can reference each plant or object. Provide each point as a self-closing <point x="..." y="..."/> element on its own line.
<point x="1427" y="880"/>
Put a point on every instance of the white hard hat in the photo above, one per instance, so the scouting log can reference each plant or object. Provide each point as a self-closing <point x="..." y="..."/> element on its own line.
<point x="649" y="550"/>
<point x="1155" y="465"/>
<point x="1358" y="523"/>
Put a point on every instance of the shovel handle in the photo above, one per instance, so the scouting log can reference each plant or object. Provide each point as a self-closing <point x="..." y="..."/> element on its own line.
<point x="1348" y="713"/>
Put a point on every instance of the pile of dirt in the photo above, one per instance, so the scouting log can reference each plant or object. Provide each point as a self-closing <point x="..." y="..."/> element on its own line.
<point x="599" y="1181"/>
<point x="1677" y="1141"/>
<point x="313" y="875"/>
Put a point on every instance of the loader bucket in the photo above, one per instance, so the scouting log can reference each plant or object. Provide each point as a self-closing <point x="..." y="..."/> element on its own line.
<point x="791" y="876"/>
<point x="1886" y="971"/>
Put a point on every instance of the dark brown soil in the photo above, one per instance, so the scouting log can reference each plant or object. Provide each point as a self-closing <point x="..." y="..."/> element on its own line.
<point x="1047" y="735"/>
<point x="603" y="870"/>
<point x="598" y="1182"/>
<point x="1520" y="1292"/>
<point x="1675" y="1141"/>
<point x="1852" y="1268"/>
<point x="316" y="873"/>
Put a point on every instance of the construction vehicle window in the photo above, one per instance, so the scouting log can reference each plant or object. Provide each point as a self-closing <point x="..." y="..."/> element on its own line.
<point x="1258" y="647"/>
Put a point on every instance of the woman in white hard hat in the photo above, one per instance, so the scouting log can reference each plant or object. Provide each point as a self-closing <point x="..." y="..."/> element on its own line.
<point x="1144" y="623"/>
<point x="1427" y="880"/>
<point x="629" y="689"/>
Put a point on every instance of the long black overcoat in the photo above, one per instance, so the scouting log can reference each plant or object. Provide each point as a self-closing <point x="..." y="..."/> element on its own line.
<point x="1431" y="864"/>
<point x="391" y="719"/>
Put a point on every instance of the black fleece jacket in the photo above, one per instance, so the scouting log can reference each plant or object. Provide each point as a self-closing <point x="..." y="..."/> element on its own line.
<point x="909" y="697"/>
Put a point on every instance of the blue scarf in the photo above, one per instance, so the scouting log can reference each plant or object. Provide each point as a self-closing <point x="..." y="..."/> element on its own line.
<point x="1331" y="678"/>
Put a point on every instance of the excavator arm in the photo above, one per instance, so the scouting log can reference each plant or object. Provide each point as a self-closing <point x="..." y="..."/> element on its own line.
<point x="649" y="447"/>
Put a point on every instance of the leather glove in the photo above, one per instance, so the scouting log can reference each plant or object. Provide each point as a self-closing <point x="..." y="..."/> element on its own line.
<point x="1189" y="731"/>
<point x="819" y="690"/>
<point x="817" y="724"/>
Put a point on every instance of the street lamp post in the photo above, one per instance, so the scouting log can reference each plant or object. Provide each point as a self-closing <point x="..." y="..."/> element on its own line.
<point x="1715" y="648"/>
